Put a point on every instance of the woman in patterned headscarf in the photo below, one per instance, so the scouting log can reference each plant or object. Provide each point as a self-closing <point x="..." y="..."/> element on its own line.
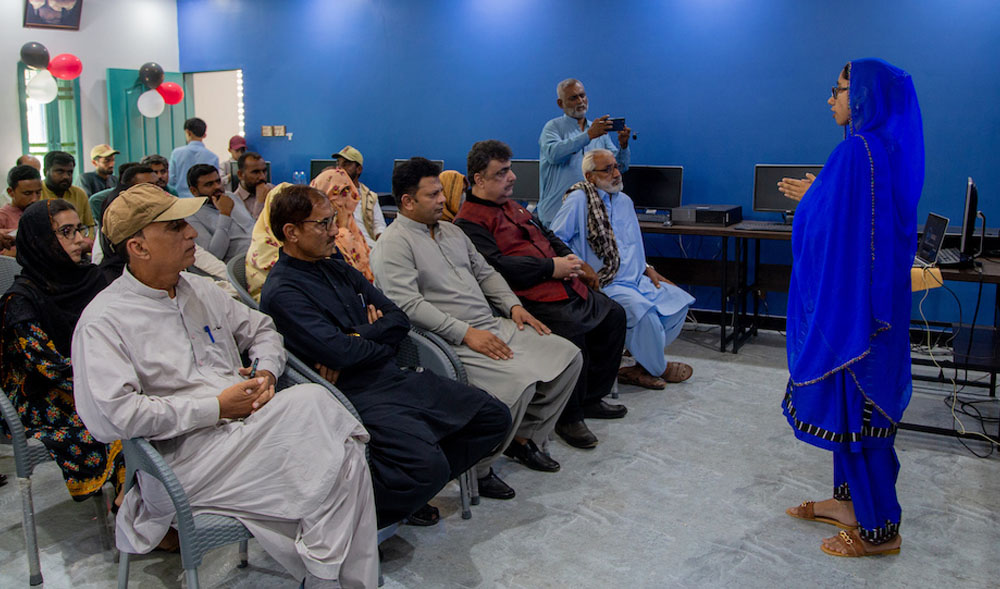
<point x="455" y="185"/>
<point x="343" y="195"/>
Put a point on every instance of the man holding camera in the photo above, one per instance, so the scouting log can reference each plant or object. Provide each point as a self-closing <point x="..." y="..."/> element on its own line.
<point x="565" y="139"/>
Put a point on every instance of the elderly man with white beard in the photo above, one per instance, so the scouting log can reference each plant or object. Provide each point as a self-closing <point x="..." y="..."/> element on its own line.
<point x="563" y="142"/>
<point x="597" y="221"/>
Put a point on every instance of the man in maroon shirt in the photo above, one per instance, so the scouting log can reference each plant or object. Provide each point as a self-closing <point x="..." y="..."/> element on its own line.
<point x="553" y="284"/>
<point x="24" y="186"/>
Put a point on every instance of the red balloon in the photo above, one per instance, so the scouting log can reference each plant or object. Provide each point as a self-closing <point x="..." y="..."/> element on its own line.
<point x="171" y="92"/>
<point x="65" y="66"/>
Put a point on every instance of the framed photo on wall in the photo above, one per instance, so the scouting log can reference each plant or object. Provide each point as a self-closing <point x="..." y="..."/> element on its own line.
<point x="53" y="14"/>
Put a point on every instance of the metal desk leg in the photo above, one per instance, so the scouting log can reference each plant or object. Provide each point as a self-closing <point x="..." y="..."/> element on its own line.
<point x="725" y="294"/>
<point x="756" y="281"/>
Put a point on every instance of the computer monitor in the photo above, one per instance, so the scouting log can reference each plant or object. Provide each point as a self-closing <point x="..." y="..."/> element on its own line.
<point x="766" y="196"/>
<point x="395" y="163"/>
<point x="526" y="186"/>
<point x="968" y="245"/>
<point x="654" y="187"/>
<point x="317" y="166"/>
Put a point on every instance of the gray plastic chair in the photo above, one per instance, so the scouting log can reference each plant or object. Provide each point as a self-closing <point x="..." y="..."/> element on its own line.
<point x="200" y="533"/>
<point x="423" y="349"/>
<point x="236" y="269"/>
<point x="29" y="453"/>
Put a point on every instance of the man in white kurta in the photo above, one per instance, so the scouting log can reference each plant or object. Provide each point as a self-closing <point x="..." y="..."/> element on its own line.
<point x="434" y="273"/>
<point x="157" y="355"/>
<point x="654" y="307"/>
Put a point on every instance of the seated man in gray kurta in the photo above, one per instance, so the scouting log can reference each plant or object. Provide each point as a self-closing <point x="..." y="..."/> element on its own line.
<point x="224" y="224"/>
<point x="157" y="355"/>
<point x="433" y="272"/>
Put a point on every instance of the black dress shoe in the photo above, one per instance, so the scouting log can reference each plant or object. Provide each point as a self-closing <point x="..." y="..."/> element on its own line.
<point x="602" y="410"/>
<point x="577" y="434"/>
<point x="529" y="455"/>
<point x="428" y="515"/>
<point x="491" y="486"/>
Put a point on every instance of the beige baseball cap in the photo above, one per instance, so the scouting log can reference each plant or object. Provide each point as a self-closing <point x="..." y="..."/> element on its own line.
<point x="102" y="150"/>
<point x="351" y="154"/>
<point x="141" y="205"/>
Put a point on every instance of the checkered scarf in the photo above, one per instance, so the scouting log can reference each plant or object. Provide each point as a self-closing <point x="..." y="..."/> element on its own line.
<point x="600" y="235"/>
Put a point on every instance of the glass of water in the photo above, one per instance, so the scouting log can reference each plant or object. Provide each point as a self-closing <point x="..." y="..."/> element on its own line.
<point x="298" y="177"/>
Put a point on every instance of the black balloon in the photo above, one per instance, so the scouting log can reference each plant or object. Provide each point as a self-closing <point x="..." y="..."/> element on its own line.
<point x="151" y="74"/>
<point x="35" y="55"/>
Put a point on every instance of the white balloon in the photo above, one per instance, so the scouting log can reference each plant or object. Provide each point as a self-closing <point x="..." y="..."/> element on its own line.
<point x="42" y="88"/>
<point x="151" y="104"/>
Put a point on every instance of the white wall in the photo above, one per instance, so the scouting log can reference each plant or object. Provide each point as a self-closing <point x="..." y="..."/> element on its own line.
<point x="215" y="103"/>
<point x="113" y="34"/>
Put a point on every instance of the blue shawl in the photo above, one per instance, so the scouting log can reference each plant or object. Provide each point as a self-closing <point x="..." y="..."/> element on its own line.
<point x="853" y="241"/>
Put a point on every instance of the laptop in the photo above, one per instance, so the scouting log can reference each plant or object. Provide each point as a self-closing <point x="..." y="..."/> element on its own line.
<point x="930" y="242"/>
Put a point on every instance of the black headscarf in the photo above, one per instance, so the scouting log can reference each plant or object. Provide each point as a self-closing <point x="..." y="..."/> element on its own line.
<point x="113" y="263"/>
<point x="53" y="288"/>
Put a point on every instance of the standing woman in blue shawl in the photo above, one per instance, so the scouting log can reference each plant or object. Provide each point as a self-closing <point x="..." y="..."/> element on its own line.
<point x="853" y="241"/>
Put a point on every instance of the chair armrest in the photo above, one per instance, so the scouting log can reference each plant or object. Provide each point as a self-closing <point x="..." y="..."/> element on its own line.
<point x="296" y="372"/>
<point x="141" y="456"/>
<point x="236" y="270"/>
<point x="436" y="355"/>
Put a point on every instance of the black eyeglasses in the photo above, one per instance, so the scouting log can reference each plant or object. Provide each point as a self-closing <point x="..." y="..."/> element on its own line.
<point x="835" y="90"/>
<point x="68" y="231"/>
<point x="323" y="224"/>
<point x="608" y="169"/>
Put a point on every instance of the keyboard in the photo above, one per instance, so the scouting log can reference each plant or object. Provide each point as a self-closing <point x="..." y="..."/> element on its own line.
<point x="949" y="255"/>
<point x="652" y="217"/>
<point x="762" y="226"/>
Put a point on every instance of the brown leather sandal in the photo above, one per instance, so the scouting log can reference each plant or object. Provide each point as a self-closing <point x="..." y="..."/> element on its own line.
<point x="677" y="372"/>
<point x="637" y="375"/>
<point x="807" y="512"/>
<point x="850" y="542"/>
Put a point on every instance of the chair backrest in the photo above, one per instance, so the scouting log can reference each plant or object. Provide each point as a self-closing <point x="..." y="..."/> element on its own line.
<point x="9" y="268"/>
<point x="28" y="452"/>
<point x="236" y="269"/>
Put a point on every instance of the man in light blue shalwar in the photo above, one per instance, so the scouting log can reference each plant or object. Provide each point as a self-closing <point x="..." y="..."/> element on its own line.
<point x="655" y="307"/>
<point x="563" y="142"/>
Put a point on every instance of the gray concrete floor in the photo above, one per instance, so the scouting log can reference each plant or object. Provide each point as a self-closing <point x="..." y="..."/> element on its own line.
<point x="689" y="490"/>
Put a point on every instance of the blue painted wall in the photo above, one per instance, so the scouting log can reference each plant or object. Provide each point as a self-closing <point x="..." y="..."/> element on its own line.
<point x="714" y="85"/>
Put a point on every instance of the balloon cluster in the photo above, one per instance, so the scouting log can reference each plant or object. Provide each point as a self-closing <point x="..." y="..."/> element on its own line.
<point x="42" y="86"/>
<point x="159" y="93"/>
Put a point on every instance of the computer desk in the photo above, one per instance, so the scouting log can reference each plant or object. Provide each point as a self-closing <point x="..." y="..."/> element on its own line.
<point x="738" y="325"/>
<point x="731" y="275"/>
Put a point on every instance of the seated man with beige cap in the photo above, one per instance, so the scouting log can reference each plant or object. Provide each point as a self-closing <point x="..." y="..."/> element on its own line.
<point x="157" y="355"/>
<point x="368" y="215"/>
<point x="103" y="177"/>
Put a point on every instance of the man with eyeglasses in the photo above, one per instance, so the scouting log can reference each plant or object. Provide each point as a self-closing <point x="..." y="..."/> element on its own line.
<point x="58" y="168"/>
<point x="563" y="142"/>
<point x="425" y="430"/>
<point x="598" y="222"/>
<point x="157" y="355"/>
<point x="436" y="276"/>
<point x="224" y="224"/>
<point x="553" y="284"/>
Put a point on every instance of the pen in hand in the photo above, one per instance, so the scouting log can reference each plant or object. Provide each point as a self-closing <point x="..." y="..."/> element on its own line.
<point x="253" y="367"/>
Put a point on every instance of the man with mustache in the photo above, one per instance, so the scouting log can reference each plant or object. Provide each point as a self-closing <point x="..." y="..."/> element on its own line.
<point x="224" y="224"/>
<point x="161" y="170"/>
<point x="253" y="186"/>
<point x="598" y="222"/>
<point x="59" y="167"/>
<point x="552" y="283"/>
<point x="563" y="142"/>
<point x="425" y="430"/>
<point x="157" y="355"/>
<point x="436" y="276"/>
